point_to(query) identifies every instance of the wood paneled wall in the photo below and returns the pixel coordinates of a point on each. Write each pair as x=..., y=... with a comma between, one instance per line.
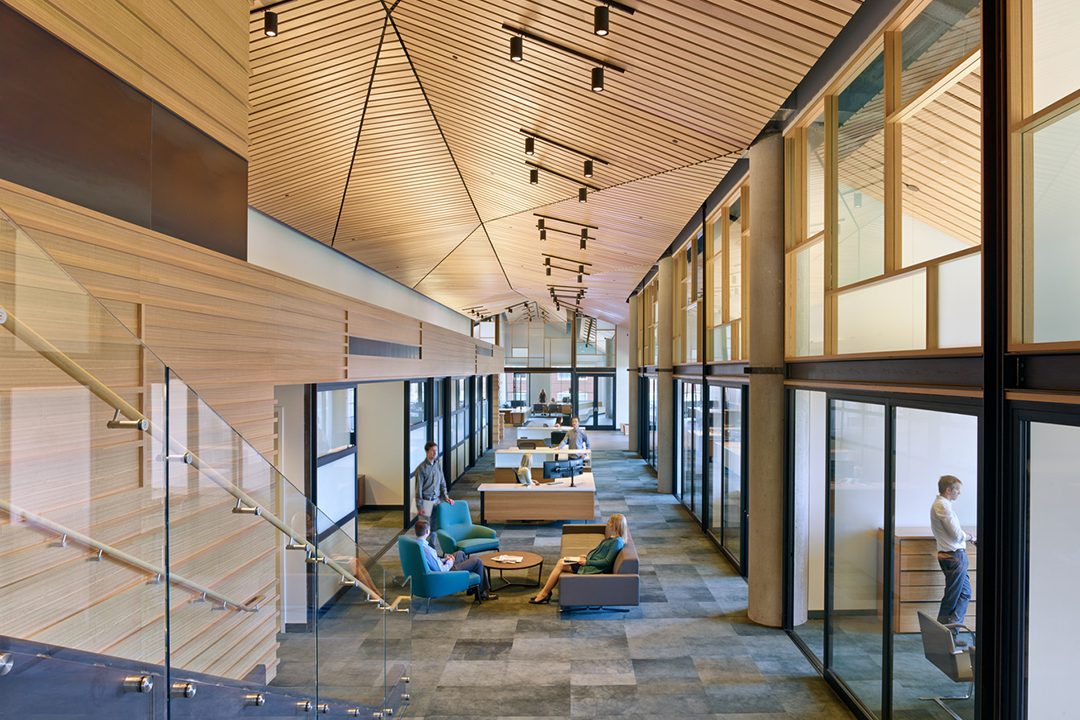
x=192, y=57
x=232, y=331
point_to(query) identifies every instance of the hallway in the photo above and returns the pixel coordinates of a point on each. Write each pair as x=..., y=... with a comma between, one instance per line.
x=688, y=650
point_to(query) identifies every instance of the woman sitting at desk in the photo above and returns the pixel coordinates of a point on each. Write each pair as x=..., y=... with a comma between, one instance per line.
x=601, y=559
x=524, y=470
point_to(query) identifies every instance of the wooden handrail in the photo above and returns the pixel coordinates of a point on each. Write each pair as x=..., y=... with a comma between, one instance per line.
x=175, y=449
x=66, y=533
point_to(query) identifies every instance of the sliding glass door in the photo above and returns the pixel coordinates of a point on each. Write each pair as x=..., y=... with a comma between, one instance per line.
x=726, y=471
x=595, y=401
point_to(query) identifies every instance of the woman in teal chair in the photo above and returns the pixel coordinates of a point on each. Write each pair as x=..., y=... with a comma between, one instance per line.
x=601, y=559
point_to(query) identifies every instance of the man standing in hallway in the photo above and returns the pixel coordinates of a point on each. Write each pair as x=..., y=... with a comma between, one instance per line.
x=951, y=552
x=430, y=488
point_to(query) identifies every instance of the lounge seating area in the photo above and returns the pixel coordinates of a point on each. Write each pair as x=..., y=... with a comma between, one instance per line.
x=426, y=584
x=456, y=531
x=620, y=589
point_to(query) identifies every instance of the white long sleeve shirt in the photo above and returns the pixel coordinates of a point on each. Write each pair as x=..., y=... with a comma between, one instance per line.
x=946, y=526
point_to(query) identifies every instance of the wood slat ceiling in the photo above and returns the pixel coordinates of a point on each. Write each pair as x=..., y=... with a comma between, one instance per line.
x=438, y=194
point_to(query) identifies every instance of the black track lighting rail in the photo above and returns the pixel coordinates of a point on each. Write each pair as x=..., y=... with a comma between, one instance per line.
x=556, y=173
x=566, y=259
x=568, y=222
x=569, y=232
x=522, y=32
x=563, y=146
x=618, y=6
x=268, y=6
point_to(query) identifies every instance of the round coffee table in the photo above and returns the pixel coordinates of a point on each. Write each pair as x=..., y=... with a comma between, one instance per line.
x=528, y=560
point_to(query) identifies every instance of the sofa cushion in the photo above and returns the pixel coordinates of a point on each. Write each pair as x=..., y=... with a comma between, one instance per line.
x=475, y=545
x=626, y=563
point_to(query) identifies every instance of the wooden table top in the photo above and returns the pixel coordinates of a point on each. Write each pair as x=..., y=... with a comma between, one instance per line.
x=528, y=560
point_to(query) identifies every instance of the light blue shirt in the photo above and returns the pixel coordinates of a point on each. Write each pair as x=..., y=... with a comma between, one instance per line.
x=575, y=439
x=431, y=559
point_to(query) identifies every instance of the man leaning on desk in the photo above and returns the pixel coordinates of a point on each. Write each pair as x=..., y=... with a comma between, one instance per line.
x=576, y=438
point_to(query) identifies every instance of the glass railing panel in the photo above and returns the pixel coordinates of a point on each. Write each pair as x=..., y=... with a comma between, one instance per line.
x=231, y=519
x=82, y=527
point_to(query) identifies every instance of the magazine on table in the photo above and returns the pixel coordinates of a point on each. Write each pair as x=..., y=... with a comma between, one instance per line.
x=508, y=558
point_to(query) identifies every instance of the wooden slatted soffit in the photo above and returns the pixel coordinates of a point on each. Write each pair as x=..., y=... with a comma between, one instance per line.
x=396, y=131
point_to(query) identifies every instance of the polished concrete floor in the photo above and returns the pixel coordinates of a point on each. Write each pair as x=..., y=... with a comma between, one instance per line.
x=687, y=651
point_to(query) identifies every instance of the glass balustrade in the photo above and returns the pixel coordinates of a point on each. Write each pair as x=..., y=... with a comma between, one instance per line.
x=153, y=562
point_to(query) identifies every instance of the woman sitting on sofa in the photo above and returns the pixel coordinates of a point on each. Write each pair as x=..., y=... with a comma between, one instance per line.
x=601, y=559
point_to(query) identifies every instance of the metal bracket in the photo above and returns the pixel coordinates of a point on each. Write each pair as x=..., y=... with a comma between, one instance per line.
x=313, y=559
x=7, y=661
x=241, y=509
x=139, y=683
x=294, y=545
x=3, y=316
x=254, y=700
x=183, y=690
x=186, y=458
x=121, y=423
x=304, y=706
x=98, y=556
x=62, y=542
x=323, y=708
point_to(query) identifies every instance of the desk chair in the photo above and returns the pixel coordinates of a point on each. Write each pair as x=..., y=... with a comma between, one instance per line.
x=457, y=532
x=427, y=584
x=526, y=444
x=939, y=647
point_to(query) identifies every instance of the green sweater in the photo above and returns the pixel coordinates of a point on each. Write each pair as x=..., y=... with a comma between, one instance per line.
x=601, y=559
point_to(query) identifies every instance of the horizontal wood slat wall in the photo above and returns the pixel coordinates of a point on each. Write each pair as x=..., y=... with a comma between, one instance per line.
x=232, y=331
x=192, y=57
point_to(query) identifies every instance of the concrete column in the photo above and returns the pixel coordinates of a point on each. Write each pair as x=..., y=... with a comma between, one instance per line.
x=632, y=370
x=764, y=281
x=665, y=390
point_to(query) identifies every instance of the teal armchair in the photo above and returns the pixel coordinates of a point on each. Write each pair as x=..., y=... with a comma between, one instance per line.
x=457, y=532
x=427, y=584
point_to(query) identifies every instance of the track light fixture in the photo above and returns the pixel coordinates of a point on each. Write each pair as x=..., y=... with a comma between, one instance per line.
x=543, y=234
x=584, y=237
x=270, y=27
x=587, y=172
x=548, y=271
x=530, y=146
x=583, y=195
x=540, y=224
x=535, y=172
x=579, y=279
x=534, y=176
x=600, y=20
x=517, y=43
x=598, y=79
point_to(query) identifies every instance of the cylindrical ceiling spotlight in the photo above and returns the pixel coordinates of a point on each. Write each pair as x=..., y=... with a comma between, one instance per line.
x=534, y=176
x=588, y=169
x=530, y=146
x=543, y=234
x=270, y=23
x=600, y=20
x=517, y=45
x=598, y=79
x=548, y=271
x=579, y=279
x=584, y=237
x=540, y=224
x=583, y=195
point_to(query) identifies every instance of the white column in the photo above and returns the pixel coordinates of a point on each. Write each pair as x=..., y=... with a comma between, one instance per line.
x=765, y=285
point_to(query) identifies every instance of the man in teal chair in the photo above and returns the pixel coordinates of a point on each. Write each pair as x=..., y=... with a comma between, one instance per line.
x=457, y=561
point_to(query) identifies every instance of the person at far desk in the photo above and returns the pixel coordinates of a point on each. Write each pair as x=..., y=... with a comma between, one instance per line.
x=430, y=488
x=524, y=471
x=951, y=553
x=601, y=559
x=576, y=437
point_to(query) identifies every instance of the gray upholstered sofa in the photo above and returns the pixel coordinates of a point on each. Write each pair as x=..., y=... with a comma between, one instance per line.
x=620, y=588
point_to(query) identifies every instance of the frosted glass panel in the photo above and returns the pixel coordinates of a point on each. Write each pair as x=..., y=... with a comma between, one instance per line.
x=861, y=176
x=888, y=315
x=815, y=177
x=1055, y=54
x=808, y=463
x=1053, y=571
x=735, y=262
x=960, y=302
x=858, y=492
x=810, y=300
x=1056, y=227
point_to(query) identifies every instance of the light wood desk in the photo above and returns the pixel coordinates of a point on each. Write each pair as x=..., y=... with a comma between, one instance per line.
x=918, y=582
x=507, y=461
x=550, y=501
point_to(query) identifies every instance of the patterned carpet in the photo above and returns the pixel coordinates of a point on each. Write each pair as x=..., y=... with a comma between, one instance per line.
x=688, y=651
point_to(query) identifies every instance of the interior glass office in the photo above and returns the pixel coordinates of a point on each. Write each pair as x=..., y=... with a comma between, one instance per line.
x=863, y=478
x=726, y=471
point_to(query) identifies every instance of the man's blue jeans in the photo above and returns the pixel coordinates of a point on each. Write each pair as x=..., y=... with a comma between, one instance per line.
x=957, y=587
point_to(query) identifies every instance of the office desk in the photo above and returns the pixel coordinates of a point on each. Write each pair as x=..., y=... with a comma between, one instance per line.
x=551, y=501
x=539, y=433
x=507, y=461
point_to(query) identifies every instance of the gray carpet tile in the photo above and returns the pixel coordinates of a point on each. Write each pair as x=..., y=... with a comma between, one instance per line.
x=687, y=651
